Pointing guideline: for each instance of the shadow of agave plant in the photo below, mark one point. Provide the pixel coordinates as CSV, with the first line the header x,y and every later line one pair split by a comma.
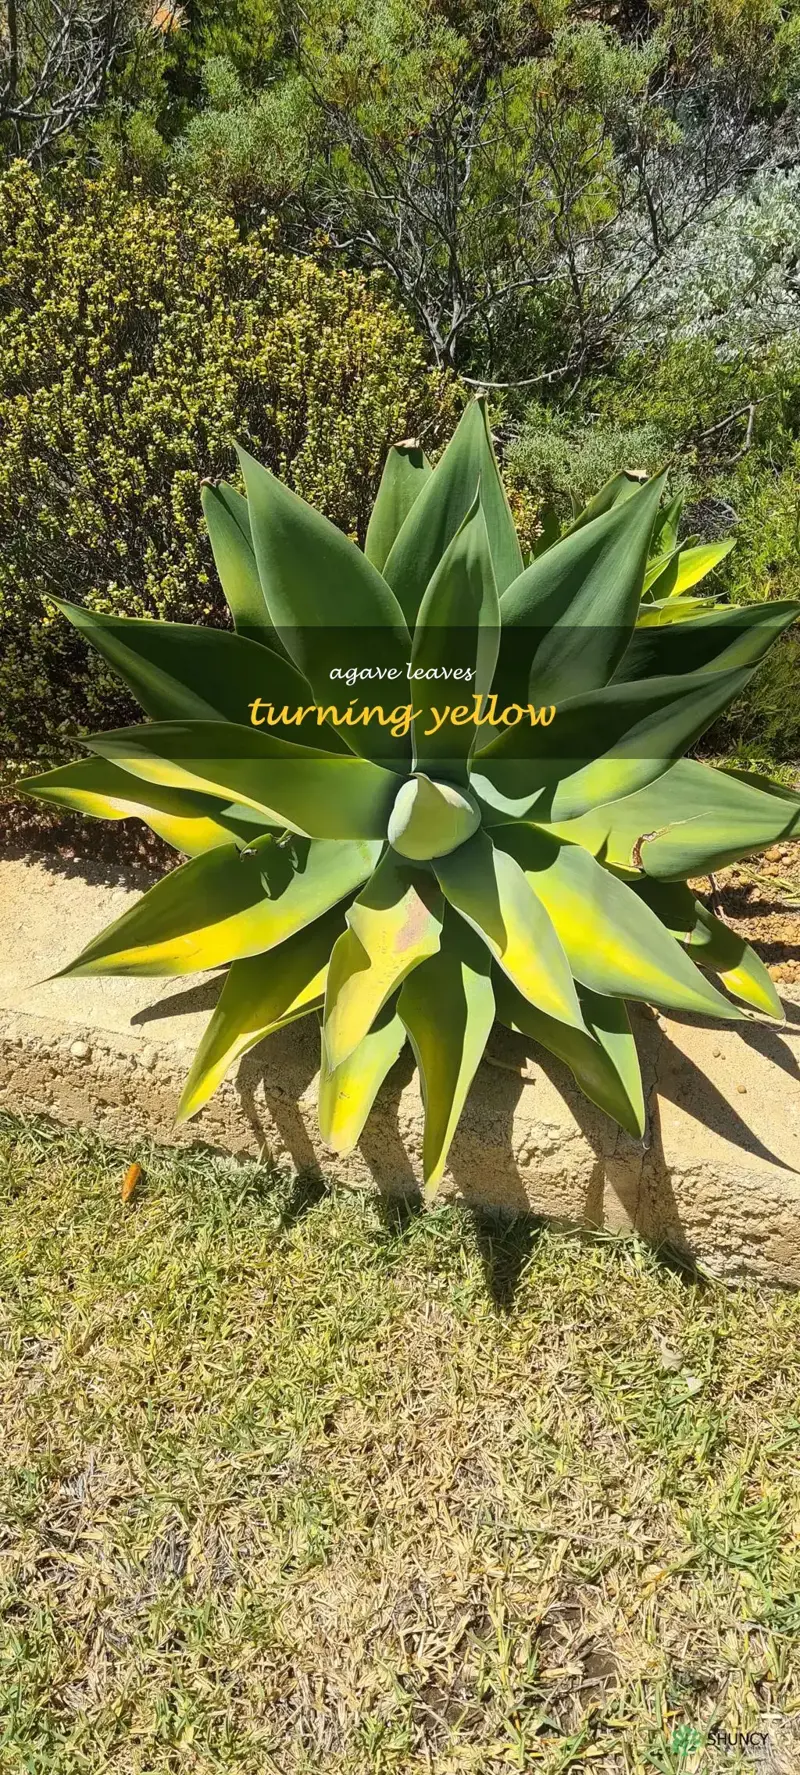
x,y
415,870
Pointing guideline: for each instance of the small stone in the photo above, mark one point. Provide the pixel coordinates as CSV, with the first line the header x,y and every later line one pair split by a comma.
x,y
148,1058
742,1089
80,1050
717,1053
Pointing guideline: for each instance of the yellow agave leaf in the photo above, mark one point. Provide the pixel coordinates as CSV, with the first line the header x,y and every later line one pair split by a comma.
x,y
225,905
347,1092
491,892
260,995
615,944
190,823
447,1007
677,574
395,922
712,944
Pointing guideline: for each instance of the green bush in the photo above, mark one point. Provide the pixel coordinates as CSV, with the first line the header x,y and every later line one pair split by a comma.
x,y
686,404
137,337
553,463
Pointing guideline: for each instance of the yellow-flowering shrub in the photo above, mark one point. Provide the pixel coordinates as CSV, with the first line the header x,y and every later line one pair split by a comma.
x,y
137,337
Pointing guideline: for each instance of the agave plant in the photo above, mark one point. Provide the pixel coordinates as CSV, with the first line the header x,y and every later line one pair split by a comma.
x,y
412,882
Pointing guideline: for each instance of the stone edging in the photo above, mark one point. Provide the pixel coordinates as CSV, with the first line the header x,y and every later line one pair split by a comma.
x,y
719,1177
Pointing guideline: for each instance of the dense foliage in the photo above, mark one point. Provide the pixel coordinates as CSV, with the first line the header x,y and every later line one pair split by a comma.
x,y
598,211
532,179
136,337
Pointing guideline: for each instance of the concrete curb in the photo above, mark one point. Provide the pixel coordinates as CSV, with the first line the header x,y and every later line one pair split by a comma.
x,y
719,1177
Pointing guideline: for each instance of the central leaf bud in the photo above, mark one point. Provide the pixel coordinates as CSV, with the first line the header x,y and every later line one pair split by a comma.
x,y
429,819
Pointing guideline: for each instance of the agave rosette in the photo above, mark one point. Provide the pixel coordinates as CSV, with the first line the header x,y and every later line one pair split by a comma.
x,y
416,886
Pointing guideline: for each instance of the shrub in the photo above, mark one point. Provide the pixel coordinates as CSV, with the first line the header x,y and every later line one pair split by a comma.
x,y
137,334
740,479
552,463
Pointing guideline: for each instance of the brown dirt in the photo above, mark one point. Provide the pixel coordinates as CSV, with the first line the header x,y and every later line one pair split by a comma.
x,y
761,899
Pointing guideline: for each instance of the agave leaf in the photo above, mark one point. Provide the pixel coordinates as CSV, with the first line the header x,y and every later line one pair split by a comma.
x,y
181,672
458,627
429,819
577,605
317,794
228,523
602,1058
717,641
331,608
712,944
260,995
407,469
693,819
225,905
665,528
447,1007
490,891
346,1095
442,507
614,492
614,943
601,746
549,533
190,823
685,568
674,610
393,925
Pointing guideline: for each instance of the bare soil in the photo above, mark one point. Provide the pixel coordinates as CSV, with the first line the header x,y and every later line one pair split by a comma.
x,y
760,898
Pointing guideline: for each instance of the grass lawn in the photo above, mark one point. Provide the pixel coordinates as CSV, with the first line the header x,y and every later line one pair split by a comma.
x,y
295,1482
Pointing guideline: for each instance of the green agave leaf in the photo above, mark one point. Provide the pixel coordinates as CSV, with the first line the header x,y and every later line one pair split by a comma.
x,y
577,604
602,1058
330,606
490,891
693,819
393,925
458,628
190,823
225,905
665,529
228,524
549,533
260,995
685,568
442,507
429,819
180,672
346,1095
406,472
717,641
712,944
317,794
614,943
674,610
447,1007
614,492
601,746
